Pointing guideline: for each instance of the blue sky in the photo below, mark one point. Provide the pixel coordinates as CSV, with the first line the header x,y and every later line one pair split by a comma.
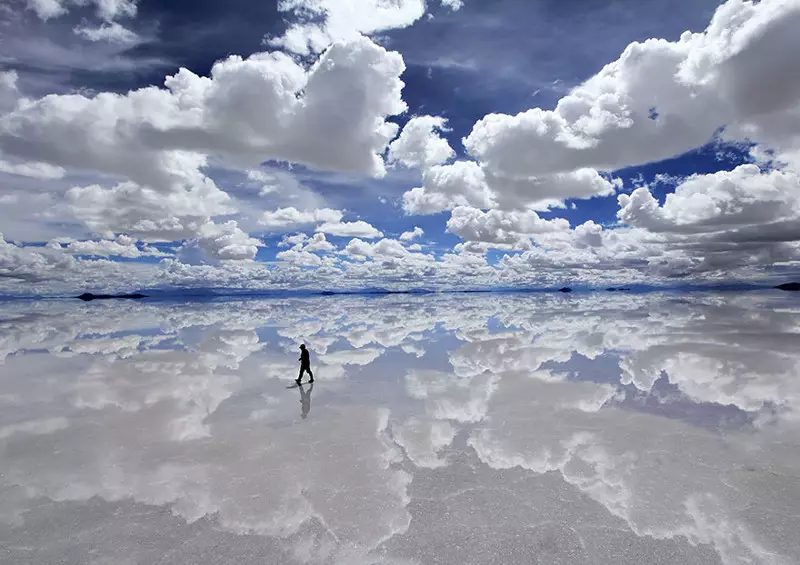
x,y
528,142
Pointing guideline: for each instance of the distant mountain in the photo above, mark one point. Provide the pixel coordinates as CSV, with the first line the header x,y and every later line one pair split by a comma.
x,y
87,296
223,293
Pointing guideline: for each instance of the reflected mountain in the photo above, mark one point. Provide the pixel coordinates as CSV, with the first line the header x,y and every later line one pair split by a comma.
x,y
471,428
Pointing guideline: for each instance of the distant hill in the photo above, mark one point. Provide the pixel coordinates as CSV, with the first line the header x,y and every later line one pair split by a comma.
x,y
793,286
87,296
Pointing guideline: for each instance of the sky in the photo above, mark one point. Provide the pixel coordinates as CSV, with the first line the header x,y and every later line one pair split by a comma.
x,y
340,144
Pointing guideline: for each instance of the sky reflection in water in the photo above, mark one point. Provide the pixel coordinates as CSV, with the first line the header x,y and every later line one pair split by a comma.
x,y
449,429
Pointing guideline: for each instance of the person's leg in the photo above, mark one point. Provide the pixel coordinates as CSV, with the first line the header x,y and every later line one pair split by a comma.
x,y
310,374
300,376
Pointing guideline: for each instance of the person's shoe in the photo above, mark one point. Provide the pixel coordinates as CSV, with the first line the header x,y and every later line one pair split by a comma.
x,y
297,381
311,380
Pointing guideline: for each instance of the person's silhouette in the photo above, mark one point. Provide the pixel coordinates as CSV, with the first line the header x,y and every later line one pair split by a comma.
x,y
305,400
305,365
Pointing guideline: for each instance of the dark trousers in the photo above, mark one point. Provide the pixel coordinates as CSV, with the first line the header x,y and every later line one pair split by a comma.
x,y
305,369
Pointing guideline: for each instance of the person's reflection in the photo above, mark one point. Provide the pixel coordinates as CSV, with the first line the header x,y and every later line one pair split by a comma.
x,y
305,400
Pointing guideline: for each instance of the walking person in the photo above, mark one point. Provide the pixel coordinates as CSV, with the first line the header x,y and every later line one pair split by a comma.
x,y
305,365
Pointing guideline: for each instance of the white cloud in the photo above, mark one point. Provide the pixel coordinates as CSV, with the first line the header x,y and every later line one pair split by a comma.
x,y
122,246
108,10
47,9
300,258
328,221
31,169
419,145
659,99
302,249
716,202
389,263
326,21
223,242
498,227
9,92
113,32
33,264
142,135
358,249
541,193
317,243
466,183
293,241
167,164
150,149
289,219
412,235
358,228
146,213
462,183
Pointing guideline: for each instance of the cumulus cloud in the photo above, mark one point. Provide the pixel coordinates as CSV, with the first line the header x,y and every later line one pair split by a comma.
x,y
659,99
326,21
719,223
503,228
108,10
466,183
122,246
155,164
9,92
300,258
150,150
412,235
289,219
146,213
386,248
221,242
144,134
303,248
462,183
716,202
19,263
160,140
358,228
542,193
317,243
419,145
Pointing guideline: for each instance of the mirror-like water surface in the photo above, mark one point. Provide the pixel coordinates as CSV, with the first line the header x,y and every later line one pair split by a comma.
x,y
607,428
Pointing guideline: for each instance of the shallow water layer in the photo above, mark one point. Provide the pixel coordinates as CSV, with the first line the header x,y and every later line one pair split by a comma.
x,y
603,428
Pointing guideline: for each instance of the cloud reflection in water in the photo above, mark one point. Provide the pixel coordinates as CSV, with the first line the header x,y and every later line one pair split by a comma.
x,y
454,429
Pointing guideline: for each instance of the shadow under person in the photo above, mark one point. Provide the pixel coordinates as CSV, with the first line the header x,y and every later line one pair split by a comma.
x,y
305,400
305,365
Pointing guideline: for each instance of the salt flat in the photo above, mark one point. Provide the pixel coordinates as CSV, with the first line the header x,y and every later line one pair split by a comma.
x,y
495,428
